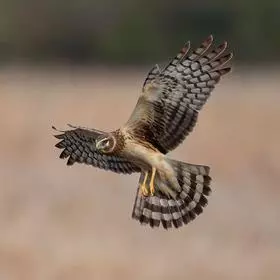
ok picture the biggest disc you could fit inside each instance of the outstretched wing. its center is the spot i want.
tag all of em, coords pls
(78, 145)
(171, 98)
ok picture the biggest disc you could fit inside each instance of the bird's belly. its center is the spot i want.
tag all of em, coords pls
(144, 157)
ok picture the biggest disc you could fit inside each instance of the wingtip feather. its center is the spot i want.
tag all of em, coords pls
(226, 58)
(60, 145)
(59, 136)
(224, 71)
(186, 47)
(209, 39)
(221, 48)
(72, 159)
(64, 154)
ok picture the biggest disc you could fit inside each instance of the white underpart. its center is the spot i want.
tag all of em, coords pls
(147, 158)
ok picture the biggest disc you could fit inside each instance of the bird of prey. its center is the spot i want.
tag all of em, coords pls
(170, 193)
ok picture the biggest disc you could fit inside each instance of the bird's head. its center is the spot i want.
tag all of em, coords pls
(105, 143)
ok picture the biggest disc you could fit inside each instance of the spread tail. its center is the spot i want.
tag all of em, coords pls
(174, 208)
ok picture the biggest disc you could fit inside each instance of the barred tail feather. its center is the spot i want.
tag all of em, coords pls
(189, 202)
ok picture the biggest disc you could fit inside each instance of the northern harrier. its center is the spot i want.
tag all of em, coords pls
(170, 193)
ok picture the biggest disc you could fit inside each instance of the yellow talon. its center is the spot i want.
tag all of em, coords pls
(152, 182)
(143, 185)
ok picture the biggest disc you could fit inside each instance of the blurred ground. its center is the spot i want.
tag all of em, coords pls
(62, 223)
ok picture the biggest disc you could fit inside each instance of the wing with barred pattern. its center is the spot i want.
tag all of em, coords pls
(172, 97)
(79, 145)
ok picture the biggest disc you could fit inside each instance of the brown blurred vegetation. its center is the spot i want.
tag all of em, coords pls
(74, 223)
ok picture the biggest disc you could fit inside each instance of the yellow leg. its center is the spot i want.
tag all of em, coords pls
(152, 181)
(143, 185)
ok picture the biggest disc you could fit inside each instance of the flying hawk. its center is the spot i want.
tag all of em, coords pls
(170, 193)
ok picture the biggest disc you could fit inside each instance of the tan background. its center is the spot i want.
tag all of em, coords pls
(58, 222)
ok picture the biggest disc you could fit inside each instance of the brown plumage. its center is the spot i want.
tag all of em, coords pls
(170, 193)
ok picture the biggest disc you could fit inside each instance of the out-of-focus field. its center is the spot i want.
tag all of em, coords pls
(67, 223)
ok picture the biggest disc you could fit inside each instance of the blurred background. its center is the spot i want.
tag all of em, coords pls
(83, 62)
